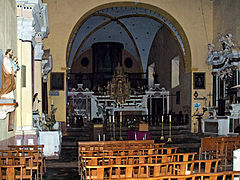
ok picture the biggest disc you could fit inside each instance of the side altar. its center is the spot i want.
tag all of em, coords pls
(224, 114)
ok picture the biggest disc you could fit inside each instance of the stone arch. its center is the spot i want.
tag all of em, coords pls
(186, 54)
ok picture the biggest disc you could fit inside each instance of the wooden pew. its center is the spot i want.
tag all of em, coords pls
(36, 166)
(144, 159)
(102, 143)
(209, 145)
(34, 153)
(41, 158)
(125, 152)
(150, 170)
(11, 172)
(219, 147)
(25, 161)
(119, 152)
(110, 145)
(138, 159)
(8, 152)
(229, 175)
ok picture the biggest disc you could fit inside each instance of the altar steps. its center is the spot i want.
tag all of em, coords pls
(180, 136)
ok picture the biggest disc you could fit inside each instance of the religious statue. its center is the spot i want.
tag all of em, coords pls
(8, 82)
(15, 65)
(35, 102)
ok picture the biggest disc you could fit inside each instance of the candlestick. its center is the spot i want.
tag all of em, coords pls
(121, 126)
(162, 137)
(170, 128)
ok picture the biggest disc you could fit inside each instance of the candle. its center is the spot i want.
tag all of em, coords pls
(120, 116)
(170, 118)
(162, 118)
(99, 137)
(113, 120)
(52, 102)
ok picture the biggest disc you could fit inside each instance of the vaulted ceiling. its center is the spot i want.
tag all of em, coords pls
(134, 27)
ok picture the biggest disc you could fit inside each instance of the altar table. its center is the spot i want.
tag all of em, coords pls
(139, 135)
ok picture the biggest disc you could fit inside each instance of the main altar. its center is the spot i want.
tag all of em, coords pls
(116, 107)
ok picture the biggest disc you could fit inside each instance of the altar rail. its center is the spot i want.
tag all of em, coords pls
(151, 120)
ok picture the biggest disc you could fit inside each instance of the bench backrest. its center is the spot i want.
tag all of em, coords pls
(150, 170)
(212, 145)
(231, 175)
(102, 143)
(127, 152)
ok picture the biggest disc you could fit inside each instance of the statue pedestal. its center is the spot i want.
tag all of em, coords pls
(52, 143)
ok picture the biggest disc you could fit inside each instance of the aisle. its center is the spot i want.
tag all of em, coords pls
(66, 166)
(59, 170)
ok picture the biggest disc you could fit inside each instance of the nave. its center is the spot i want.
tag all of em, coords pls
(66, 167)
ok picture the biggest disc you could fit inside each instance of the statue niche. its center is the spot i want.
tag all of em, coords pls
(119, 87)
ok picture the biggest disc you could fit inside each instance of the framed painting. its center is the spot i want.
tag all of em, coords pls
(57, 81)
(199, 80)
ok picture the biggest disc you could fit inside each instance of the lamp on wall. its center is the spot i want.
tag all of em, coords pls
(195, 94)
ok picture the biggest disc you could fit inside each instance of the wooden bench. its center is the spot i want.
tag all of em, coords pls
(125, 152)
(119, 152)
(41, 158)
(219, 147)
(34, 153)
(150, 170)
(151, 159)
(8, 152)
(209, 145)
(36, 162)
(25, 161)
(11, 172)
(230, 175)
(102, 143)
(110, 145)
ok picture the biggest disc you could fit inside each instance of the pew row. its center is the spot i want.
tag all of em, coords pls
(150, 170)
(144, 159)
(111, 145)
(24, 153)
(26, 162)
(219, 147)
(41, 159)
(125, 152)
(227, 175)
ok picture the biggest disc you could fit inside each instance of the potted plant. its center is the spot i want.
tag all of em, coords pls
(50, 137)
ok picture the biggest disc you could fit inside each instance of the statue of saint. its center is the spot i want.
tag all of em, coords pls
(36, 102)
(8, 82)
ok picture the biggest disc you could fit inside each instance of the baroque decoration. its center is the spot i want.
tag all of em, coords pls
(226, 60)
(119, 87)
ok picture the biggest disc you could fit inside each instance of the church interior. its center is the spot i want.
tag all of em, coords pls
(136, 89)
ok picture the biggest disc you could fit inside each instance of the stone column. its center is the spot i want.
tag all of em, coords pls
(25, 133)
